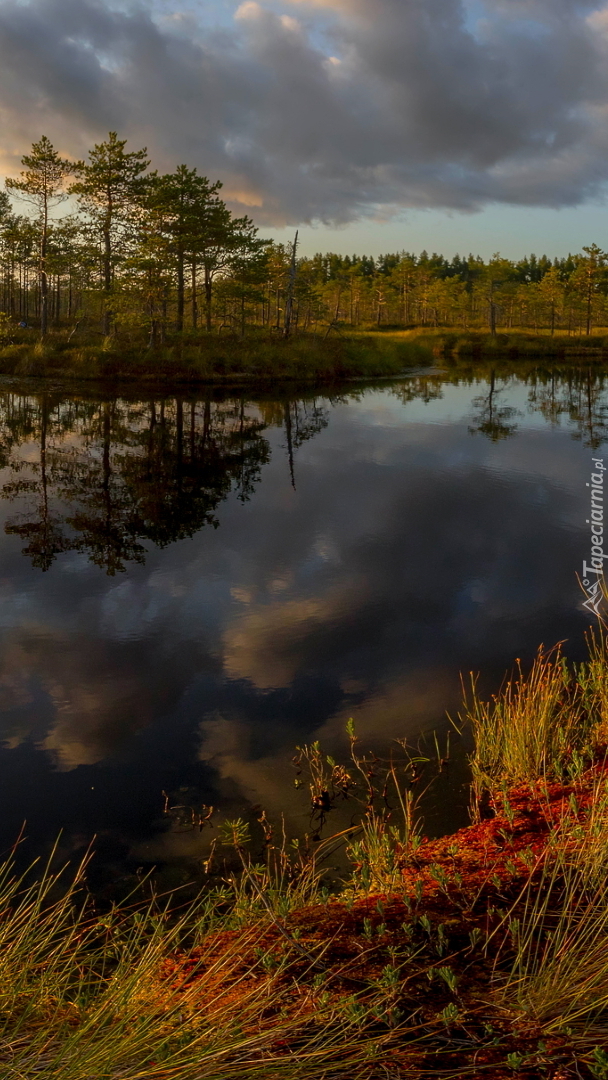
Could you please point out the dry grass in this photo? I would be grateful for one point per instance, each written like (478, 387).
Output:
(543, 725)
(134, 994)
(207, 357)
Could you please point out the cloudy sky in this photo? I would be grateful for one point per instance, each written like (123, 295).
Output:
(370, 124)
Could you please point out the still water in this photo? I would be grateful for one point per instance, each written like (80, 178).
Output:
(193, 585)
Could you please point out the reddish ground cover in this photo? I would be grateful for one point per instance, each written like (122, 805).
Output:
(428, 953)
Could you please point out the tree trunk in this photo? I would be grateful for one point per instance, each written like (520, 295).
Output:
(193, 299)
(290, 288)
(44, 285)
(208, 293)
(107, 272)
(179, 321)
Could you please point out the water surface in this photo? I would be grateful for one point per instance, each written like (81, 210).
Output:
(192, 585)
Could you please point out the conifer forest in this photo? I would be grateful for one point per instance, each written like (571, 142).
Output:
(109, 246)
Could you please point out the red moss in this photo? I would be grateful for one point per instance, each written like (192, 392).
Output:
(451, 887)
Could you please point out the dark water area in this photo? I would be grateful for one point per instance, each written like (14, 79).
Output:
(193, 585)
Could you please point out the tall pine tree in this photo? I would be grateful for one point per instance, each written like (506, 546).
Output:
(110, 187)
(42, 184)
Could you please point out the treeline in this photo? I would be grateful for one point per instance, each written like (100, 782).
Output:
(136, 249)
(406, 290)
(111, 247)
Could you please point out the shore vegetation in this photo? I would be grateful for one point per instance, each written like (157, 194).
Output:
(110, 269)
(480, 954)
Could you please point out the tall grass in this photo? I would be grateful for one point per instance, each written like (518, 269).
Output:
(540, 726)
(86, 996)
(550, 727)
(384, 800)
(516, 344)
(206, 357)
(227, 987)
(559, 929)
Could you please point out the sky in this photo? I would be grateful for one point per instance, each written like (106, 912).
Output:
(369, 125)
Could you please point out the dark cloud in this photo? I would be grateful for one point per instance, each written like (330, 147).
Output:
(325, 109)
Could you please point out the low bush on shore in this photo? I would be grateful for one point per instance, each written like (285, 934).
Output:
(481, 954)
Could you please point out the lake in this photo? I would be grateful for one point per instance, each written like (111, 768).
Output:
(194, 584)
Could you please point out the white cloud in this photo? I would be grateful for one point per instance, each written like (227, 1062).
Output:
(291, 24)
(598, 23)
(248, 10)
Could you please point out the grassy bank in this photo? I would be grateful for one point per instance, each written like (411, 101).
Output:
(206, 358)
(482, 954)
(260, 357)
(505, 345)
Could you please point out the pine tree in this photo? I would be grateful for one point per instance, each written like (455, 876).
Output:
(110, 188)
(223, 241)
(188, 203)
(42, 184)
(5, 208)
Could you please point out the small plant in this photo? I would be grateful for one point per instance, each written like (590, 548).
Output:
(441, 944)
(440, 876)
(389, 979)
(425, 923)
(448, 977)
(475, 936)
(450, 1015)
(599, 1064)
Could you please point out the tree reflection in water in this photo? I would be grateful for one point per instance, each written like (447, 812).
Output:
(110, 476)
(106, 477)
(576, 394)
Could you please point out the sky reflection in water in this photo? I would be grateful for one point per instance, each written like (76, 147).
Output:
(192, 587)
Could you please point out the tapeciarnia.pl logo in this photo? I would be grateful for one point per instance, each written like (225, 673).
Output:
(593, 572)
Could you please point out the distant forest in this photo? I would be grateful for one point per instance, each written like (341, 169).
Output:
(108, 246)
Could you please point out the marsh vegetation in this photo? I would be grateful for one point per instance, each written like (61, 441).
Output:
(482, 953)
